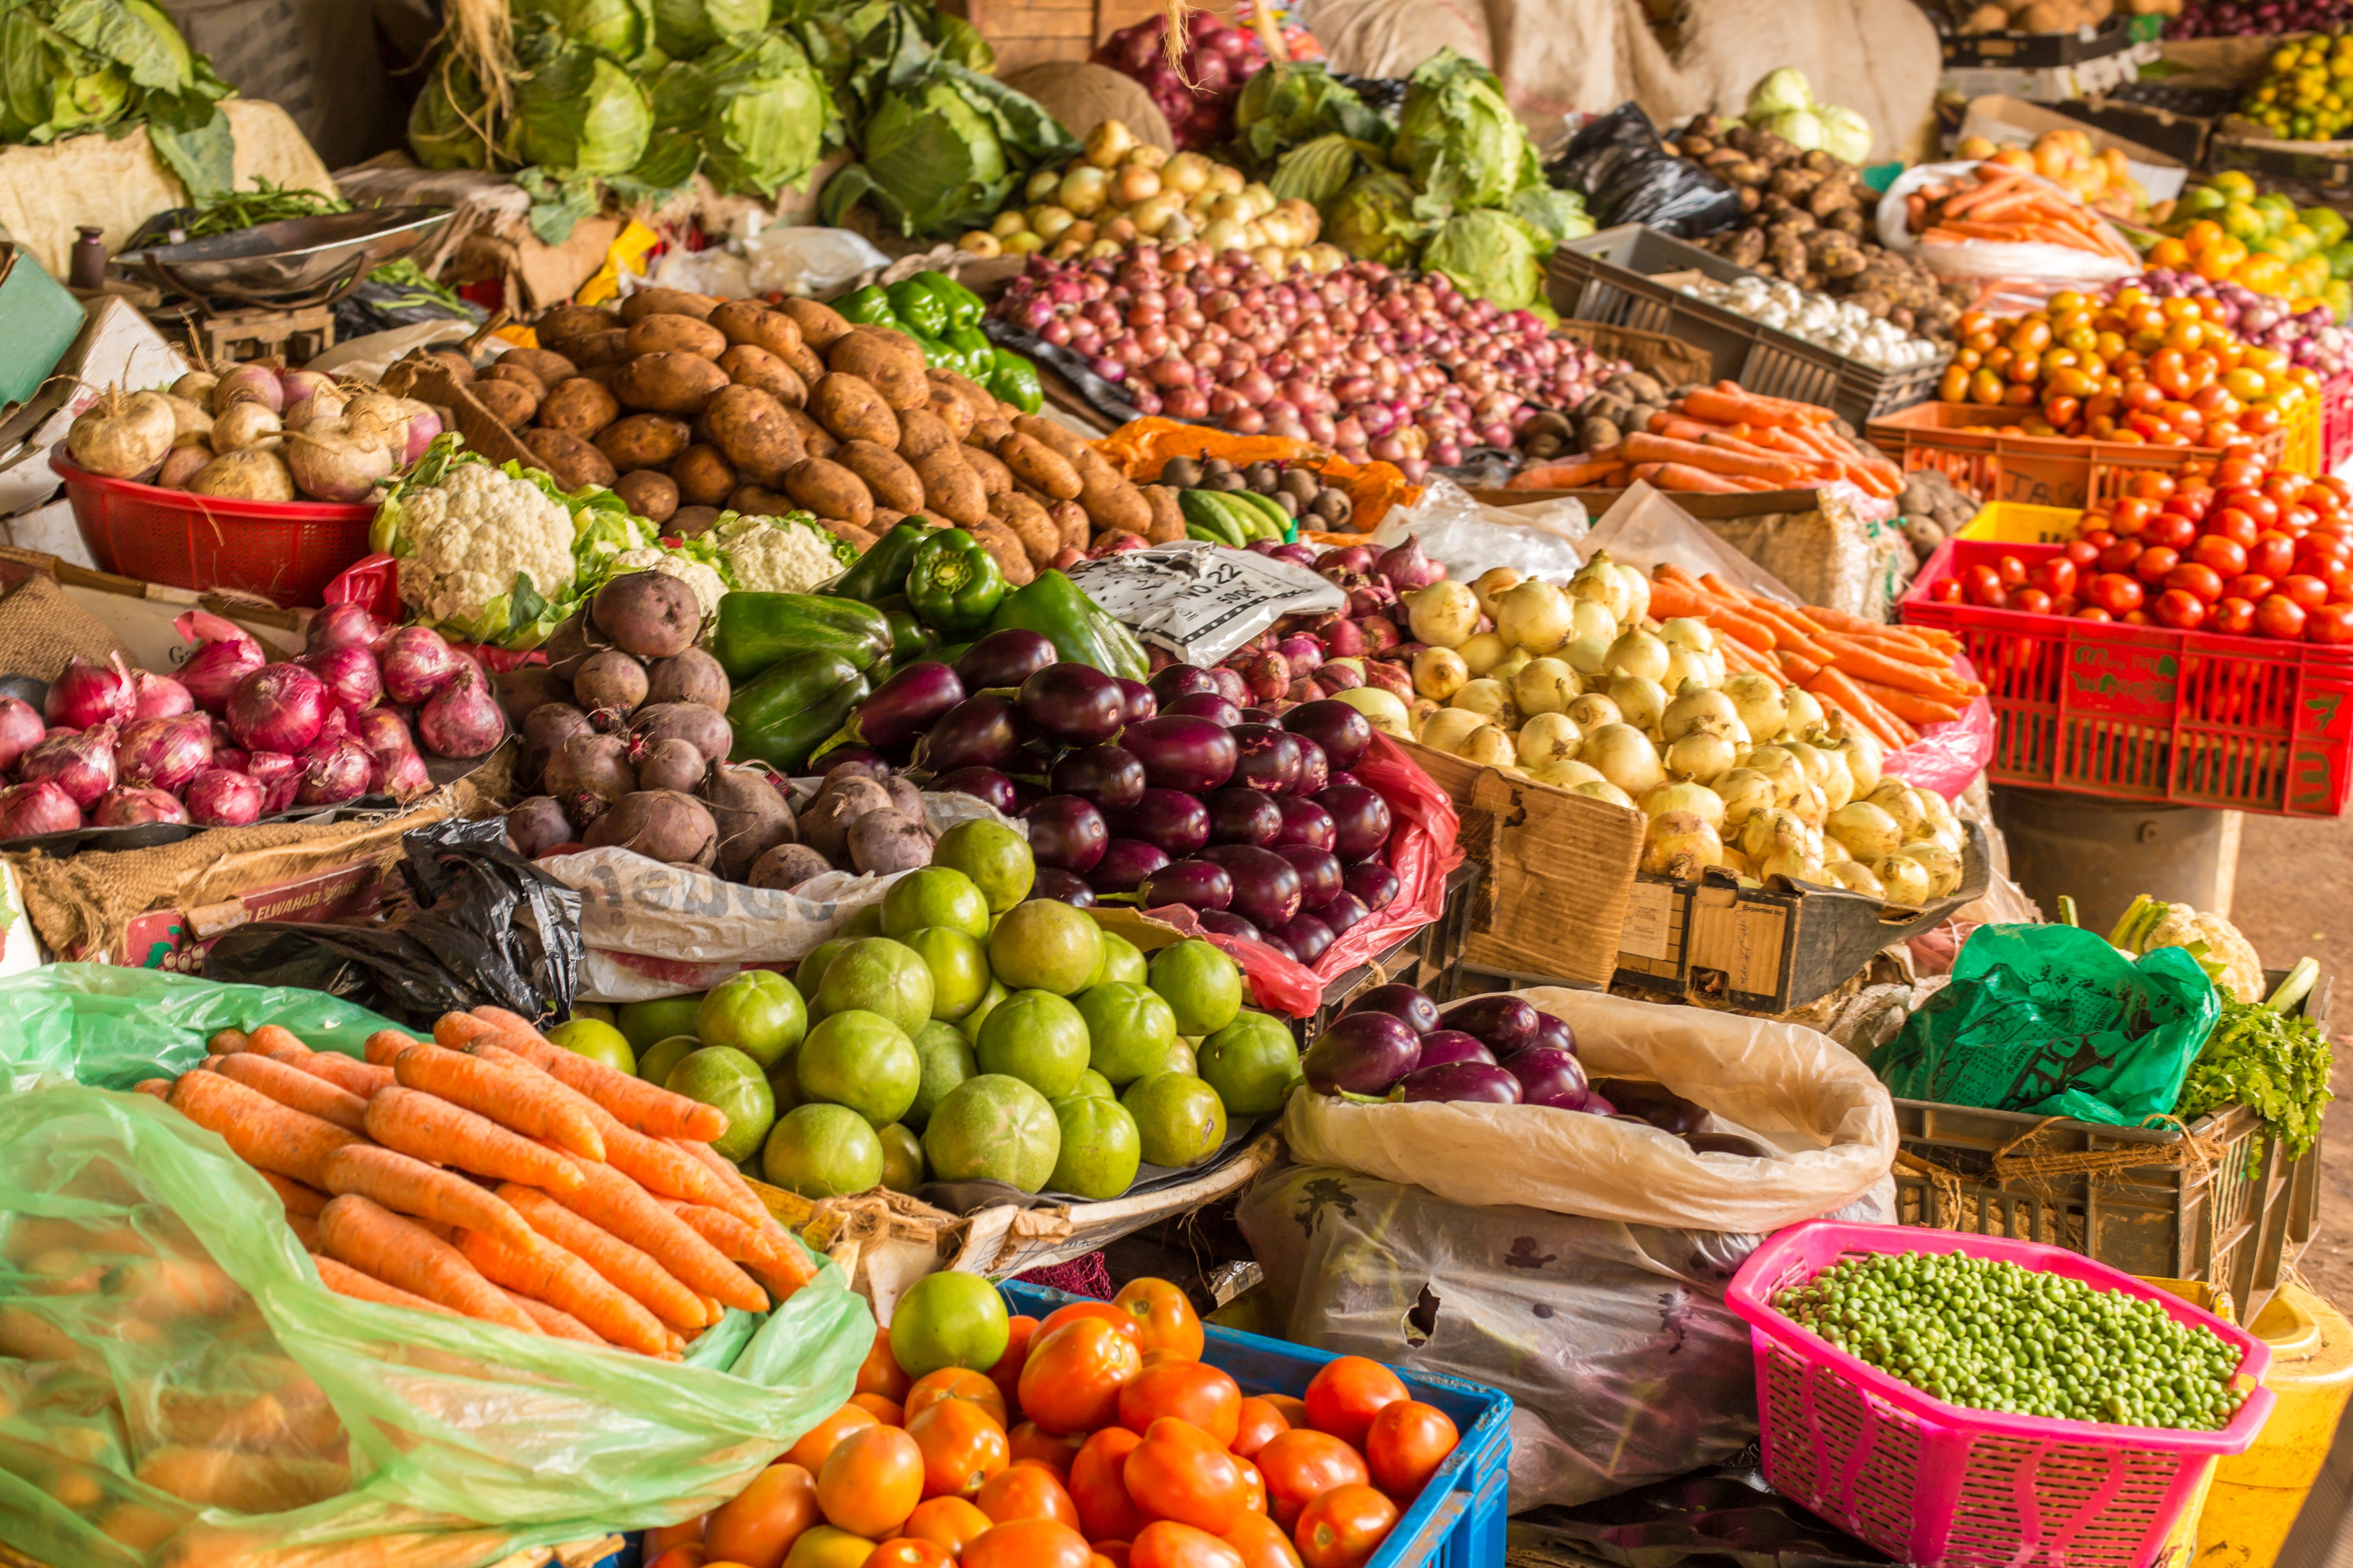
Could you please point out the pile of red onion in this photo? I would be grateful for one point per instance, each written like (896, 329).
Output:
(233, 737)
(1368, 643)
(1374, 363)
(1195, 92)
(2259, 18)
(2309, 337)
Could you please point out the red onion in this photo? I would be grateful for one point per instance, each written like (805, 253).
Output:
(29, 810)
(85, 694)
(462, 720)
(343, 625)
(225, 654)
(351, 674)
(164, 752)
(400, 774)
(417, 662)
(81, 764)
(280, 776)
(158, 695)
(20, 731)
(129, 807)
(221, 797)
(333, 775)
(279, 708)
(381, 729)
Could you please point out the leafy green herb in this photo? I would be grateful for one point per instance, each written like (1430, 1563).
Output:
(2276, 1066)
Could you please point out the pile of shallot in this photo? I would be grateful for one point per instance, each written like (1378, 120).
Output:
(1374, 363)
(234, 738)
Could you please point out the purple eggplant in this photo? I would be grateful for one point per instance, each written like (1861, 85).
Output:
(1209, 705)
(1652, 1102)
(1549, 1075)
(1227, 923)
(1307, 935)
(983, 731)
(1403, 1002)
(1319, 873)
(1341, 732)
(1360, 816)
(1180, 680)
(1726, 1143)
(907, 704)
(1239, 816)
(1075, 704)
(1314, 767)
(1555, 1033)
(1504, 1021)
(1442, 1046)
(1125, 863)
(1061, 887)
(1373, 882)
(1067, 833)
(1363, 1053)
(1003, 659)
(1265, 758)
(1341, 911)
(1481, 1083)
(981, 784)
(1110, 776)
(1137, 700)
(1182, 753)
(1266, 888)
(1197, 884)
(1305, 822)
(1170, 820)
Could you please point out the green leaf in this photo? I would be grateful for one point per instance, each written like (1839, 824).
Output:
(524, 603)
(193, 137)
(558, 203)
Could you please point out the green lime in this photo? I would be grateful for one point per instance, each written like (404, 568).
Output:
(992, 1128)
(959, 967)
(1179, 1118)
(995, 858)
(990, 1000)
(726, 1078)
(596, 1040)
(875, 974)
(861, 1060)
(812, 970)
(866, 921)
(1201, 982)
(785, 1083)
(1181, 1058)
(946, 1320)
(1100, 1149)
(1252, 1063)
(946, 1059)
(902, 1157)
(1038, 1037)
(756, 1012)
(822, 1152)
(646, 1022)
(654, 1066)
(1043, 945)
(1130, 1029)
(935, 896)
(1122, 960)
(1095, 1083)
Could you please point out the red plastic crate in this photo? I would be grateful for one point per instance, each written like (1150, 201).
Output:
(2008, 465)
(287, 551)
(2238, 723)
(2335, 421)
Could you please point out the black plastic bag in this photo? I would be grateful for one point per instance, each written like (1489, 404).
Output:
(1629, 176)
(491, 929)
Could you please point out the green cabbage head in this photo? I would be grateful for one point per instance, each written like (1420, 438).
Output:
(577, 112)
(1459, 139)
(1372, 220)
(1801, 128)
(622, 28)
(941, 153)
(1781, 90)
(1846, 135)
(1491, 255)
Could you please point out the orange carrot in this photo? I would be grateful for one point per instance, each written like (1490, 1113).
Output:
(775, 1255)
(500, 1094)
(439, 1132)
(1908, 706)
(295, 1088)
(258, 1131)
(1796, 667)
(554, 1276)
(361, 1286)
(401, 1253)
(635, 1103)
(226, 1042)
(385, 1043)
(1670, 600)
(454, 1029)
(1734, 409)
(627, 1269)
(1643, 448)
(1833, 683)
(1741, 627)
(734, 1193)
(1684, 477)
(656, 1164)
(410, 1186)
(1859, 660)
(305, 1229)
(159, 1088)
(298, 1198)
(360, 1077)
(555, 1324)
(621, 1207)
(1560, 475)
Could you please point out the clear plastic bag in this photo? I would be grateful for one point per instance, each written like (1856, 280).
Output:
(1541, 540)
(2056, 266)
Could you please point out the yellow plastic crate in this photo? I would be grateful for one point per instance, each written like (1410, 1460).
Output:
(2017, 522)
(2302, 454)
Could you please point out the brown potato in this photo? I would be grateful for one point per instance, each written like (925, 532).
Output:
(988, 433)
(1030, 523)
(693, 521)
(964, 390)
(571, 461)
(1060, 437)
(748, 322)
(642, 441)
(662, 333)
(950, 489)
(805, 364)
(861, 539)
(996, 479)
(652, 496)
(853, 411)
(884, 521)
(759, 501)
(830, 491)
(1070, 520)
(755, 434)
(922, 433)
(549, 367)
(517, 377)
(1038, 466)
(669, 383)
(566, 322)
(597, 348)
(1168, 518)
(888, 478)
(704, 476)
(747, 365)
(814, 436)
(1004, 547)
(509, 404)
(579, 407)
(951, 411)
(602, 374)
(666, 302)
(1113, 502)
(889, 362)
(818, 324)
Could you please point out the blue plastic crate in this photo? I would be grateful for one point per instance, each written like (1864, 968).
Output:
(1458, 1521)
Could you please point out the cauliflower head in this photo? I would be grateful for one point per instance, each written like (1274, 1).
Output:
(2229, 959)
(782, 556)
(480, 546)
(709, 586)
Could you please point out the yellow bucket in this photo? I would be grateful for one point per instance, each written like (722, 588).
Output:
(2256, 1495)
(2182, 1543)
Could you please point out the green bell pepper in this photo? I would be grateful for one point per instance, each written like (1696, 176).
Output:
(914, 303)
(1054, 607)
(881, 571)
(963, 307)
(979, 354)
(782, 716)
(869, 306)
(939, 353)
(955, 584)
(911, 641)
(753, 631)
(1015, 379)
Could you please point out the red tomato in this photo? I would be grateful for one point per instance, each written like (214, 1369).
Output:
(1344, 1397)
(2120, 556)
(909, 1551)
(1071, 1380)
(2114, 593)
(2182, 611)
(1945, 591)
(1300, 1467)
(2031, 601)
(1168, 1545)
(2093, 613)
(1030, 1441)
(1407, 1442)
(2228, 557)
(2248, 586)
(1188, 1390)
(1981, 583)
(1028, 1544)
(1180, 1472)
(2012, 570)
(2154, 562)
(2231, 615)
(2172, 532)
(2199, 582)
(2233, 524)
(1164, 1317)
(2130, 514)
(2330, 624)
(2099, 539)
(1257, 1425)
(1345, 1527)
(2272, 554)
(2080, 552)
(2280, 617)
(2056, 575)
(1110, 1314)
(2064, 604)
(1262, 1542)
(1007, 1372)
(2307, 591)
(1028, 1491)
(1105, 1510)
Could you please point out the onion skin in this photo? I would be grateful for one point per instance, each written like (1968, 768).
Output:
(217, 797)
(29, 810)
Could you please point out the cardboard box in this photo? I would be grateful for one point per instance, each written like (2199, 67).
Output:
(2013, 122)
(38, 322)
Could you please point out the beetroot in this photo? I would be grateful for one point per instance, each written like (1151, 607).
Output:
(127, 808)
(537, 826)
(648, 614)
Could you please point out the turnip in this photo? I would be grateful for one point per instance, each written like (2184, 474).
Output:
(182, 464)
(197, 387)
(340, 459)
(249, 384)
(245, 476)
(193, 425)
(247, 425)
(321, 405)
(297, 387)
(123, 437)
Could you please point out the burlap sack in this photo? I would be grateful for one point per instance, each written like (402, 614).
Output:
(41, 627)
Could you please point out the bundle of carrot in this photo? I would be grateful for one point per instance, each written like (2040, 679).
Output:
(1889, 680)
(1726, 441)
(2010, 207)
(490, 1174)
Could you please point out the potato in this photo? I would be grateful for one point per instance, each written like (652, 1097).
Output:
(988, 433)
(579, 407)
(550, 368)
(652, 496)
(571, 461)
(1060, 437)
(885, 519)
(974, 395)
(508, 404)
(853, 410)
(597, 348)
(692, 522)
(1106, 496)
(888, 478)
(669, 383)
(642, 441)
(951, 411)
(704, 475)
(513, 375)
(1075, 527)
(889, 362)
(818, 324)
(755, 433)
(830, 491)
(1041, 537)
(951, 489)
(747, 365)
(566, 321)
(861, 539)
(602, 374)
(814, 436)
(1004, 547)
(803, 362)
(996, 479)
(1038, 466)
(748, 322)
(759, 501)
(922, 433)
(666, 302)
(1167, 519)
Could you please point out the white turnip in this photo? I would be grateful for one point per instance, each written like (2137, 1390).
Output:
(123, 437)
(247, 425)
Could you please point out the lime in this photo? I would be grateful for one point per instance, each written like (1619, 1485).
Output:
(1181, 1058)
(726, 1078)
(756, 1012)
(822, 1152)
(1095, 1083)
(959, 967)
(995, 858)
(1038, 1037)
(875, 974)
(990, 1000)
(1177, 1118)
(1252, 1063)
(1122, 960)
(785, 1083)
(1202, 984)
(902, 1158)
(1100, 1149)
(866, 921)
(813, 968)
(945, 1059)
(935, 896)
(1043, 945)
(655, 1065)
(992, 1128)
(1130, 1029)
(949, 1320)
(596, 1040)
(646, 1022)
(861, 1060)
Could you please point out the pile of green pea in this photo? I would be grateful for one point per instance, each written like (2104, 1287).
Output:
(1993, 1336)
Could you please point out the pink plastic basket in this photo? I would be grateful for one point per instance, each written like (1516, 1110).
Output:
(1944, 1487)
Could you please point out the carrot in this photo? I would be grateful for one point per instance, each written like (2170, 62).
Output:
(362, 1078)
(1670, 600)
(1643, 448)
(1796, 667)
(161, 1087)
(621, 1207)
(385, 1043)
(555, 1324)
(295, 1088)
(626, 1267)
(226, 1042)
(656, 1164)
(1909, 706)
(361, 1286)
(1734, 407)
(1684, 477)
(298, 1198)
(1901, 648)
(735, 1194)
(438, 1133)
(1741, 628)
(1560, 475)
(454, 1029)
(305, 1229)
(410, 1186)
(635, 1103)
(257, 1129)
(500, 1094)
(772, 1250)
(554, 1276)
(1834, 684)
(401, 1253)
(1858, 660)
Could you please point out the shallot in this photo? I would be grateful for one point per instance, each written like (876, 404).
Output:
(31, 809)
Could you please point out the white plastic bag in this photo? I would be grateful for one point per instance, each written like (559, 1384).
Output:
(2052, 264)
(1470, 536)
(1202, 600)
(805, 261)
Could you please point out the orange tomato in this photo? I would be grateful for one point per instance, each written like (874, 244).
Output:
(759, 1524)
(955, 1382)
(909, 1551)
(1030, 1543)
(1253, 1487)
(1110, 1554)
(1100, 1489)
(1164, 1317)
(879, 1373)
(1168, 1545)
(1007, 1372)
(1344, 1527)
(1406, 1444)
(824, 1546)
(951, 1524)
(1188, 1390)
(1026, 1491)
(1072, 1378)
(962, 1446)
(691, 1555)
(889, 1412)
(1288, 1406)
(1301, 1466)
(1075, 1311)
(1262, 1542)
(685, 1533)
(1029, 1441)
(1256, 1423)
(1181, 1472)
(1343, 1398)
(815, 1444)
(872, 1482)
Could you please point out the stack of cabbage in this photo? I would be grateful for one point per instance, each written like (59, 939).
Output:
(79, 66)
(1571, 689)
(1784, 104)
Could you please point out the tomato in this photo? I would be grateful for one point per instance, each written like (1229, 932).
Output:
(1072, 1378)
(1344, 1527)
(1257, 1423)
(1169, 1544)
(1028, 1491)
(955, 1382)
(2154, 562)
(691, 1555)
(1007, 1372)
(1109, 1554)
(2130, 514)
(1028, 1544)
(2280, 617)
(879, 1373)
(815, 1444)
(962, 1446)
(2029, 601)
(951, 1524)
(1100, 1490)
(760, 1523)
(908, 1552)
(2307, 591)
(2231, 615)
(1981, 583)
(2093, 613)
(1180, 1472)
(2056, 575)
(1204, 1395)
(1253, 1485)
(2099, 539)
(1408, 1441)
(1164, 1317)
(686, 1533)
(1071, 1313)
(2080, 552)
(1300, 1467)
(2173, 531)
(2184, 611)
(872, 1482)
(2114, 593)
(2137, 618)
(2010, 571)
(2227, 557)
(2330, 624)
(2120, 556)
(882, 1409)
(2272, 554)
(2198, 582)
(1262, 1542)
(1291, 1407)
(2064, 604)
(1343, 1398)
(1029, 1441)
(1945, 591)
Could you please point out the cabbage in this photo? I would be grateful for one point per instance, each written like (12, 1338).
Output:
(751, 113)
(622, 28)
(1555, 214)
(450, 126)
(1315, 172)
(1490, 254)
(1784, 89)
(1801, 128)
(1846, 135)
(72, 65)
(1288, 105)
(1372, 220)
(942, 152)
(684, 28)
(1460, 139)
(576, 112)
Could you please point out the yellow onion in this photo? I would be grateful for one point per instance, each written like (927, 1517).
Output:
(1906, 881)
(1699, 757)
(1744, 791)
(1780, 767)
(1491, 585)
(1589, 711)
(1643, 702)
(1491, 747)
(1637, 652)
(1683, 665)
(1488, 699)
(1854, 877)
(1794, 864)
(1545, 686)
(1696, 707)
(1805, 714)
(1534, 615)
(1566, 772)
(1589, 657)
(1447, 728)
(1680, 845)
(1438, 673)
(1944, 867)
(1770, 832)
(1757, 698)
(1688, 632)
(1444, 615)
(1696, 800)
(1901, 801)
(1598, 581)
(1602, 789)
(1624, 756)
(1483, 652)
(1549, 737)
(1591, 619)
(1867, 830)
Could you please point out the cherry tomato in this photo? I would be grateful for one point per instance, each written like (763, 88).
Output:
(2231, 615)
(2012, 570)
(2099, 539)
(2154, 562)
(2280, 617)
(2080, 552)
(1945, 591)
(2307, 591)
(2330, 624)
(2227, 557)
(2120, 556)
(2182, 611)
(2198, 580)
(2093, 613)
(2032, 601)
(2114, 593)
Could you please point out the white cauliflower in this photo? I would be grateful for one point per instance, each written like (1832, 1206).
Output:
(2229, 959)
(780, 557)
(464, 541)
(709, 586)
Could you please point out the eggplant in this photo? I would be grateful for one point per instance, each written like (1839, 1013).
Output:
(1373, 882)
(1239, 816)
(1549, 1075)
(1361, 1053)
(1173, 822)
(1342, 734)
(1266, 887)
(981, 732)
(1307, 937)
(1506, 1023)
(1061, 886)
(981, 784)
(1196, 884)
(1005, 658)
(1125, 863)
(1442, 1046)
(1726, 1143)
(1073, 704)
(1110, 776)
(1182, 753)
(1319, 873)
(1067, 833)
(1341, 911)
(1555, 1033)
(1226, 923)
(1314, 767)
(1209, 705)
(1403, 1002)
(1265, 758)
(1652, 1102)
(1138, 700)
(906, 705)
(1307, 823)
(1478, 1082)
(1360, 816)
(1179, 681)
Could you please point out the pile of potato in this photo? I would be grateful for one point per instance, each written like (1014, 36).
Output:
(1623, 404)
(1932, 509)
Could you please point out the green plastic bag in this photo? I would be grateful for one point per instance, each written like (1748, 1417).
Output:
(2051, 1021)
(164, 1337)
